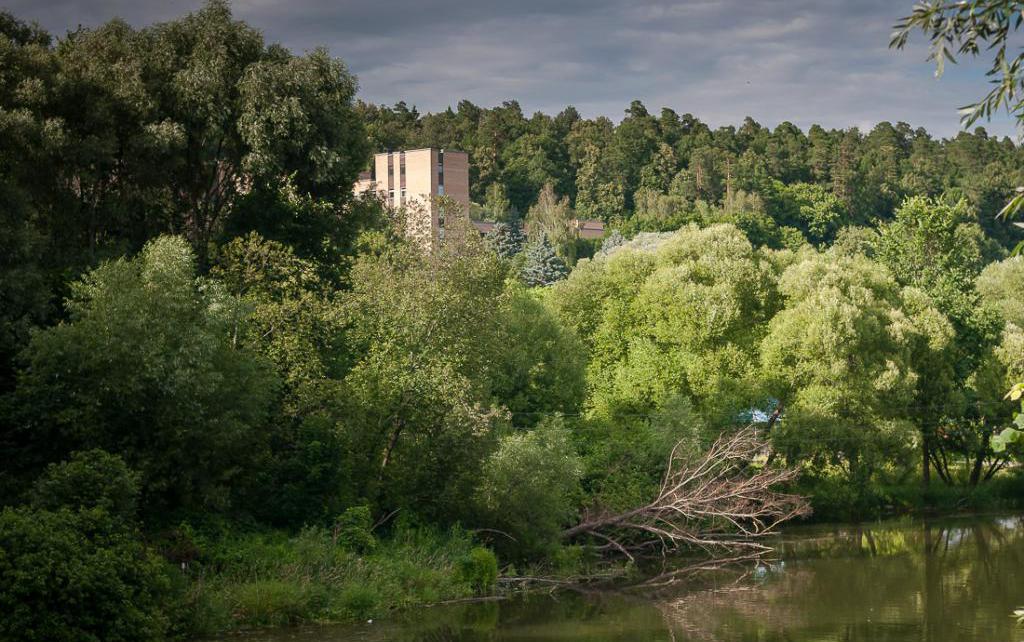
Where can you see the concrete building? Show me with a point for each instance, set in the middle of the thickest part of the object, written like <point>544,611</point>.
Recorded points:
<point>410,180</point>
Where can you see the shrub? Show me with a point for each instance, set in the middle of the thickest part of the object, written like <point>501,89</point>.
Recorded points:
<point>77,576</point>
<point>480,569</point>
<point>359,601</point>
<point>353,530</point>
<point>90,479</point>
<point>270,603</point>
<point>529,486</point>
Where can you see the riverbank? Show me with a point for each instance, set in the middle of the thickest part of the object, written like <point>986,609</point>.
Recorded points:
<point>252,580</point>
<point>839,501</point>
<point>885,579</point>
<point>273,579</point>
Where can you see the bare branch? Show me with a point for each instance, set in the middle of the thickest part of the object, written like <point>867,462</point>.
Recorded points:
<point>716,502</point>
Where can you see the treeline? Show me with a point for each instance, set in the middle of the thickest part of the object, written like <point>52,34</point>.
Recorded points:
<point>648,171</point>
<point>233,395</point>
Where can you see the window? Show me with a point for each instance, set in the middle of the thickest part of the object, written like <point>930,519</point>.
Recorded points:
<point>440,189</point>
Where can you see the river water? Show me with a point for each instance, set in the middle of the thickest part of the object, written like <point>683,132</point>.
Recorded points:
<point>952,580</point>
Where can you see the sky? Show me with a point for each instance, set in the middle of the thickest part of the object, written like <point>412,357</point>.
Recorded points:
<point>803,61</point>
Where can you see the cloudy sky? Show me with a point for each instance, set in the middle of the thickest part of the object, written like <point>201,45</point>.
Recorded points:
<point>806,61</point>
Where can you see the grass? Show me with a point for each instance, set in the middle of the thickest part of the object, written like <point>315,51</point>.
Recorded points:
<point>271,579</point>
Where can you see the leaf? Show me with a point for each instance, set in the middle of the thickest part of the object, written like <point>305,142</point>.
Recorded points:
<point>1013,206</point>
<point>1008,436</point>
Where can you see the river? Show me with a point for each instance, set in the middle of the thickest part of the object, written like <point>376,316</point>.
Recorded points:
<point>948,580</point>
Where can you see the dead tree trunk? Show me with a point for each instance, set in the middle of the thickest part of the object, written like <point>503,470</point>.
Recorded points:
<point>714,501</point>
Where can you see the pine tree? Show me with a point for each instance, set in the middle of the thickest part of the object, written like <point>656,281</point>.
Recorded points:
<point>507,239</point>
<point>542,266</point>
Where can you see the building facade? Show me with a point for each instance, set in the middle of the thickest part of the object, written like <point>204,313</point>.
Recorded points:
<point>410,181</point>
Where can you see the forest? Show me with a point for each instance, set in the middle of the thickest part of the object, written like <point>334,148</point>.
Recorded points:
<point>233,395</point>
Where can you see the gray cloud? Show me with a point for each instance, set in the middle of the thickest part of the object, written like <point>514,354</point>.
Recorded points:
<point>806,61</point>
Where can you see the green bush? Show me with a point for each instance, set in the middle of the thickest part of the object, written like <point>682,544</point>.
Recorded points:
<point>89,479</point>
<point>359,601</point>
<point>77,576</point>
<point>530,485</point>
<point>271,603</point>
<point>353,530</point>
<point>480,569</point>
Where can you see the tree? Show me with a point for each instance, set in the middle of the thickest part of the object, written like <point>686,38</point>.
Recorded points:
<point>68,575</point>
<point>188,116</point>
<point>935,245</point>
<point>552,219</point>
<point>498,206</point>
<point>840,356</point>
<point>530,486</point>
<point>91,479</point>
<point>148,367</point>
<point>598,194</point>
<point>444,349</point>
<point>73,564</point>
<point>296,323</point>
<point>812,208</point>
<point>965,29</point>
<point>955,29</point>
<point>542,265</point>
<point>507,239</point>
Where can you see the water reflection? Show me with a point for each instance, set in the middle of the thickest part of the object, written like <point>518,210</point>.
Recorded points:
<point>938,581</point>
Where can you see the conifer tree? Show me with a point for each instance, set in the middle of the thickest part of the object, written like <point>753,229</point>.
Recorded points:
<point>507,239</point>
<point>542,266</point>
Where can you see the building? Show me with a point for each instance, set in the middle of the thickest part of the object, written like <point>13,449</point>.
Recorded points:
<point>410,181</point>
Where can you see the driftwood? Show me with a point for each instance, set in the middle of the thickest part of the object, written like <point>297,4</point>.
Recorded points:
<point>719,502</point>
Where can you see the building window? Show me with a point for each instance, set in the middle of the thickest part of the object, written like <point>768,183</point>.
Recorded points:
<point>440,189</point>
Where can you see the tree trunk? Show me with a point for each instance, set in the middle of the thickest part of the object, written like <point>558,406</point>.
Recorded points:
<point>926,468</point>
<point>979,461</point>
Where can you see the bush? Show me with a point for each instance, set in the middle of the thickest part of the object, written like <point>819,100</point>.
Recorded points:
<point>270,603</point>
<point>77,576</point>
<point>359,601</point>
<point>529,486</point>
<point>480,569</point>
<point>90,479</point>
<point>353,530</point>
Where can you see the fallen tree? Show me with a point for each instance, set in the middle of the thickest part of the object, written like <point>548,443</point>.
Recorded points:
<point>720,501</point>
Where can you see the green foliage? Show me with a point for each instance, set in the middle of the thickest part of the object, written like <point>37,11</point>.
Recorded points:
<point>148,368</point>
<point>1000,285</point>
<point>550,219</point>
<point>541,265</point>
<point>529,487</point>
<point>812,208</point>
<point>271,578</point>
<point>480,570</point>
<point>77,575</point>
<point>270,603</point>
<point>188,118</point>
<point>89,479</point>
<point>840,355</point>
<point>290,362</point>
<point>354,529</point>
<point>507,239</point>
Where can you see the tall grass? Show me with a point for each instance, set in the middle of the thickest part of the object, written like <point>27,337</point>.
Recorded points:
<point>273,579</point>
